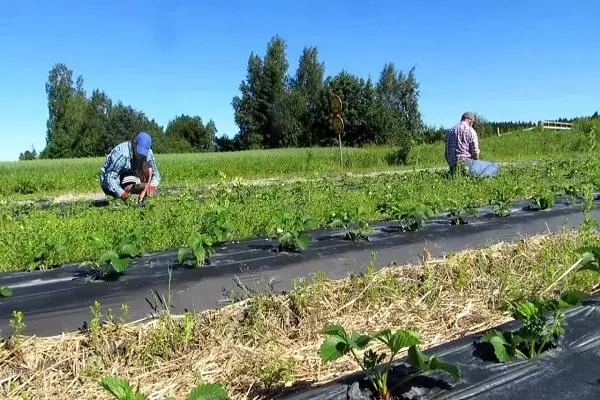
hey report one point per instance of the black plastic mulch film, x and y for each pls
(571, 370)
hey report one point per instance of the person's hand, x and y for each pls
(151, 189)
(124, 195)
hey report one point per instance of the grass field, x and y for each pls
(37, 178)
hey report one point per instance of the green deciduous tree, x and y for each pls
(64, 108)
(124, 122)
(79, 126)
(191, 129)
(276, 110)
(28, 155)
(92, 131)
(358, 109)
(398, 116)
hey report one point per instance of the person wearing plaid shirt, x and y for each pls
(462, 142)
(130, 167)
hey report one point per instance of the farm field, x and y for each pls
(259, 344)
(306, 238)
(38, 238)
(33, 179)
(264, 340)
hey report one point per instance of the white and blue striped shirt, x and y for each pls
(117, 162)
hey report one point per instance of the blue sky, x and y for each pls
(507, 60)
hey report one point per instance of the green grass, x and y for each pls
(30, 179)
(516, 146)
(169, 220)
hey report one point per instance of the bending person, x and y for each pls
(130, 167)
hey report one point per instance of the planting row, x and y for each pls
(540, 328)
(271, 338)
(35, 238)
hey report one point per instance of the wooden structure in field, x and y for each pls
(555, 125)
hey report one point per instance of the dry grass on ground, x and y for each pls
(264, 341)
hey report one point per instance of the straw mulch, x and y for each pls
(266, 340)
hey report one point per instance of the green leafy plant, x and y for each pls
(5, 291)
(289, 230)
(354, 221)
(391, 204)
(198, 250)
(501, 202)
(590, 259)
(17, 323)
(222, 228)
(537, 331)
(122, 390)
(413, 217)
(43, 258)
(398, 205)
(377, 365)
(542, 201)
(589, 223)
(570, 191)
(114, 260)
(457, 209)
(277, 370)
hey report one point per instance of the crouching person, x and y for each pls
(130, 168)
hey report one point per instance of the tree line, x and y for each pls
(274, 109)
(79, 125)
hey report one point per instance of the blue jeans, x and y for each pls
(481, 168)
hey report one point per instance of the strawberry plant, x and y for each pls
(501, 202)
(114, 260)
(589, 223)
(376, 365)
(410, 214)
(354, 221)
(541, 201)
(389, 208)
(43, 258)
(222, 226)
(198, 250)
(456, 211)
(570, 191)
(472, 208)
(121, 390)
(413, 217)
(391, 202)
(590, 259)
(536, 334)
(289, 230)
